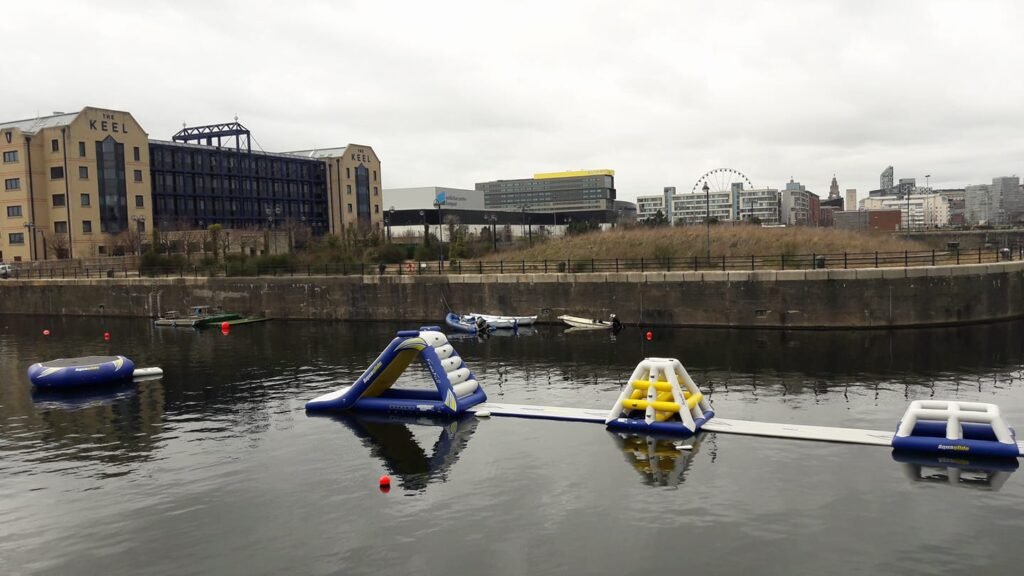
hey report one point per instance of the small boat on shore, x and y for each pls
(199, 317)
(592, 324)
(465, 324)
(506, 321)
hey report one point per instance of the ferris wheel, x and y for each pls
(721, 180)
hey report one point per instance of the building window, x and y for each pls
(101, 249)
(141, 226)
(135, 153)
(110, 178)
(56, 172)
(374, 175)
(10, 156)
(348, 188)
(58, 200)
(16, 238)
(374, 190)
(12, 184)
(81, 149)
(55, 145)
(85, 200)
(83, 172)
(137, 175)
(376, 208)
(86, 226)
(348, 174)
(139, 201)
(14, 211)
(60, 227)
(349, 208)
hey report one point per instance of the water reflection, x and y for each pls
(111, 428)
(661, 461)
(393, 440)
(976, 473)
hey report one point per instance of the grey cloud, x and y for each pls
(450, 93)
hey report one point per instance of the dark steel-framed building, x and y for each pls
(195, 185)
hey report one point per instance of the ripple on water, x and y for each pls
(217, 469)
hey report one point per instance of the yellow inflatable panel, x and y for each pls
(391, 373)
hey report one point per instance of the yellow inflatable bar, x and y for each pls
(643, 404)
(660, 386)
(662, 406)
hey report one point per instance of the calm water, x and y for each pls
(216, 469)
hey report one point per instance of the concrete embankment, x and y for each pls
(863, 298)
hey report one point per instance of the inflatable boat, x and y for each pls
(471, 324)
(506, 321)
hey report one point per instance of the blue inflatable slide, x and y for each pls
(456, 389)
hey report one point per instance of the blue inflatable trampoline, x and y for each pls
(78, 372)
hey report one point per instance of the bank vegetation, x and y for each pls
(691, 241)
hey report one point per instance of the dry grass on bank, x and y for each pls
(690, 241)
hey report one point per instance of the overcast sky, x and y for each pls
(452, 93)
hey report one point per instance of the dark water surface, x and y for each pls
(216, 469)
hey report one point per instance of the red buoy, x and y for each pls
(650, 335)
(106, 335)
(46, 332)
(225, 326)
(385, 483)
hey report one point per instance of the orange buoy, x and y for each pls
(385, 483)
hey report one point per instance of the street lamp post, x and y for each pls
(494, 231)
(426, 230)
(529, 227)
(440, 238)
(707, 216)
(271, 213)
(908, 212)
(31, 239)
(390, 218)
(140, 228)
(522, 229)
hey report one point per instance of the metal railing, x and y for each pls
(779, 262)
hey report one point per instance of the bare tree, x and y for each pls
(57, 244)
(132, 241)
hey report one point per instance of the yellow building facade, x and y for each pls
(80, 185)
(74, 185)
(354, 191)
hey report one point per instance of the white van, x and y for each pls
(6, 271)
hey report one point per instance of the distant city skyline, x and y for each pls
(457, 92)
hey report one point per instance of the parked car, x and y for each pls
(6, 271)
